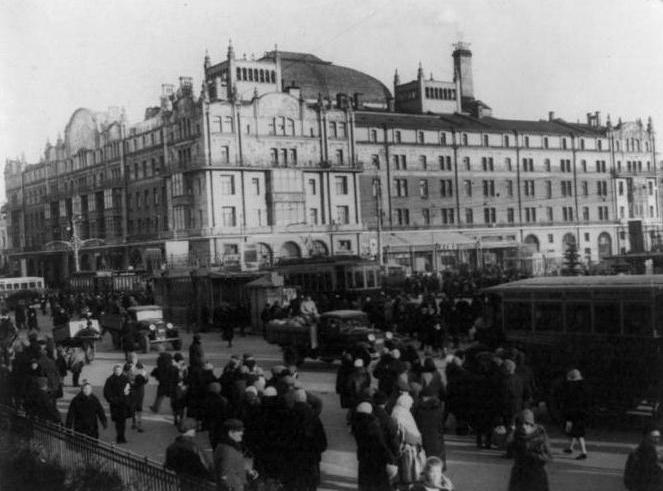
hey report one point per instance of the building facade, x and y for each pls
(290, 155)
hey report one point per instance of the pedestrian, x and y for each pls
(40, 403)
(575, 408)
(429, 416)
(167, 376)
(184, 456)
(412, 455)
(643, 470)
(228, 331)
(531, 451)
(215, 411)
(232, 470)
(137, 375)
(76, 364)
(376, 461)
(19, 315)
(196, 352)
(116, 393)
(433, 478)
(511, 397)
(84, 411)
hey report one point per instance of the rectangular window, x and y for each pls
(401, 188)
(423, 188)
(446, 188)
(467, 163)
(509, 215)
(548, 189)
(402, 216)
(489, 188)
(341, 185)
(339, 156)
(426, 216)
(489, 215)
(397, 136)
(530, 215)
(423, 162)
(509, 188)
(333, 131)
(375, 161)
(507, 164)
(311, 186)
(342, 215)
(228, 214)
(468, 188)
(255, 183)
(585, 188)
(228, 185)
(313, 216)
(549, 213)
(469, 216)
(529, 187)
(274, 156)
(585, 213)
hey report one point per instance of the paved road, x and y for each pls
(469, 468)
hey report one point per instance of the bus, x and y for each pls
(608, 327)
(331, 274)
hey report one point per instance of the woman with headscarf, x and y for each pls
(412, 455)
(575, 408)
(531, 451)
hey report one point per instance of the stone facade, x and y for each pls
(255, 167)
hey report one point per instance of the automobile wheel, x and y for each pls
(145, 343)
(177, 345)
(89, 352)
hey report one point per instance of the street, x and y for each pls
(468, 467)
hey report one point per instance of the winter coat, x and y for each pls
(429, 416)
(184, 456)
(83, 414)
(168, 376)
(575, 406)
(39, 404)
(646, 468)
(229, 466)
(389, 429)
(215, 410)
(356, 383)
(342, 375)
(196, 355)
(373, 453)
(511, 395)
(117, 396)
(531, 452)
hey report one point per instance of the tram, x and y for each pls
(107, 281)
(334, 274)
(609, 327)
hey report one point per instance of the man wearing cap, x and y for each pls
(184, 456)
(84, 411)
(116, 393)
(230, 467)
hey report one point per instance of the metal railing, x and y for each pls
(74, 449)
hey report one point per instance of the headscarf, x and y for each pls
(402, 415)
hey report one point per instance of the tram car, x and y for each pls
(107, 281)
(336, 274)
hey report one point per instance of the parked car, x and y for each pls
(147, 326)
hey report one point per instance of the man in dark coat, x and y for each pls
(196, 353)
(429, 415)
(356, 383)
(40, 403)
(229, 464)
(643, 469)
(388, 426)
(84, 411)
(373, 452)
(116, 393)
(511, 393)
(184, 456)
(215, 411)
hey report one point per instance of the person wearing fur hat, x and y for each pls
(575, 408)
(374, 454)
(232, 469)
(184, 456)
(531, 451)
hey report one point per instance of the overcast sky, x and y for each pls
(530, 56)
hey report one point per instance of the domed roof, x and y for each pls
(314, 76)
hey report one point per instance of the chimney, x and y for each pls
(357, 100)
(342, 100)
(551, 115)
(589, 119)
(463, 69)
(597, 117)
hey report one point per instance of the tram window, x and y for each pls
(17, 286)
(359, 278)
(349, 280)
(328, 282)
(578, 317)
(637, 319)
(606, 318)
(33, 284)
(2, 286)
(548, 317)
(370, 278)
(517, 316)
(340, 280)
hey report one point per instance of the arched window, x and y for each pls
(532, 242)
(605, 245)
(290, 249)
(465, 140)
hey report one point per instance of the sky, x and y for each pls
(529, 56)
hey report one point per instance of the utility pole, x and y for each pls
(378, 209)
(75, 242)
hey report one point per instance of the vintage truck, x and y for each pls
(147, 326)
(335, 332)
(83, 333)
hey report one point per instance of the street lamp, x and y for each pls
(75, 240)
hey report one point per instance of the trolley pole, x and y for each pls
(378, 209)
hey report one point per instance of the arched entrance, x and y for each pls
(136, 259)
(265, 254)
(532, 243)
(85, 262)
(605, 245)
(319, 248)
(569, 240)
(290, 250)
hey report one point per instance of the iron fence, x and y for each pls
(73, 449)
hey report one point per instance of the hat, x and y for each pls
(178, 357)
(525, 417)
(364, 408)
(247, 356)
(358, 363)
(196, 337)
(270, 392)
(252, 390)
(188, 424)
(403, 385)
(574, 375)
(278, 369)
(215, 387)
(395, 353)
(509, 366)
(380, 398)
(232, 424)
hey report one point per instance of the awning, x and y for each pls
(426, 240)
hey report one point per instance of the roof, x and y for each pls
(581, 282)
(314, 76)
(344, 314)
(143, 308)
